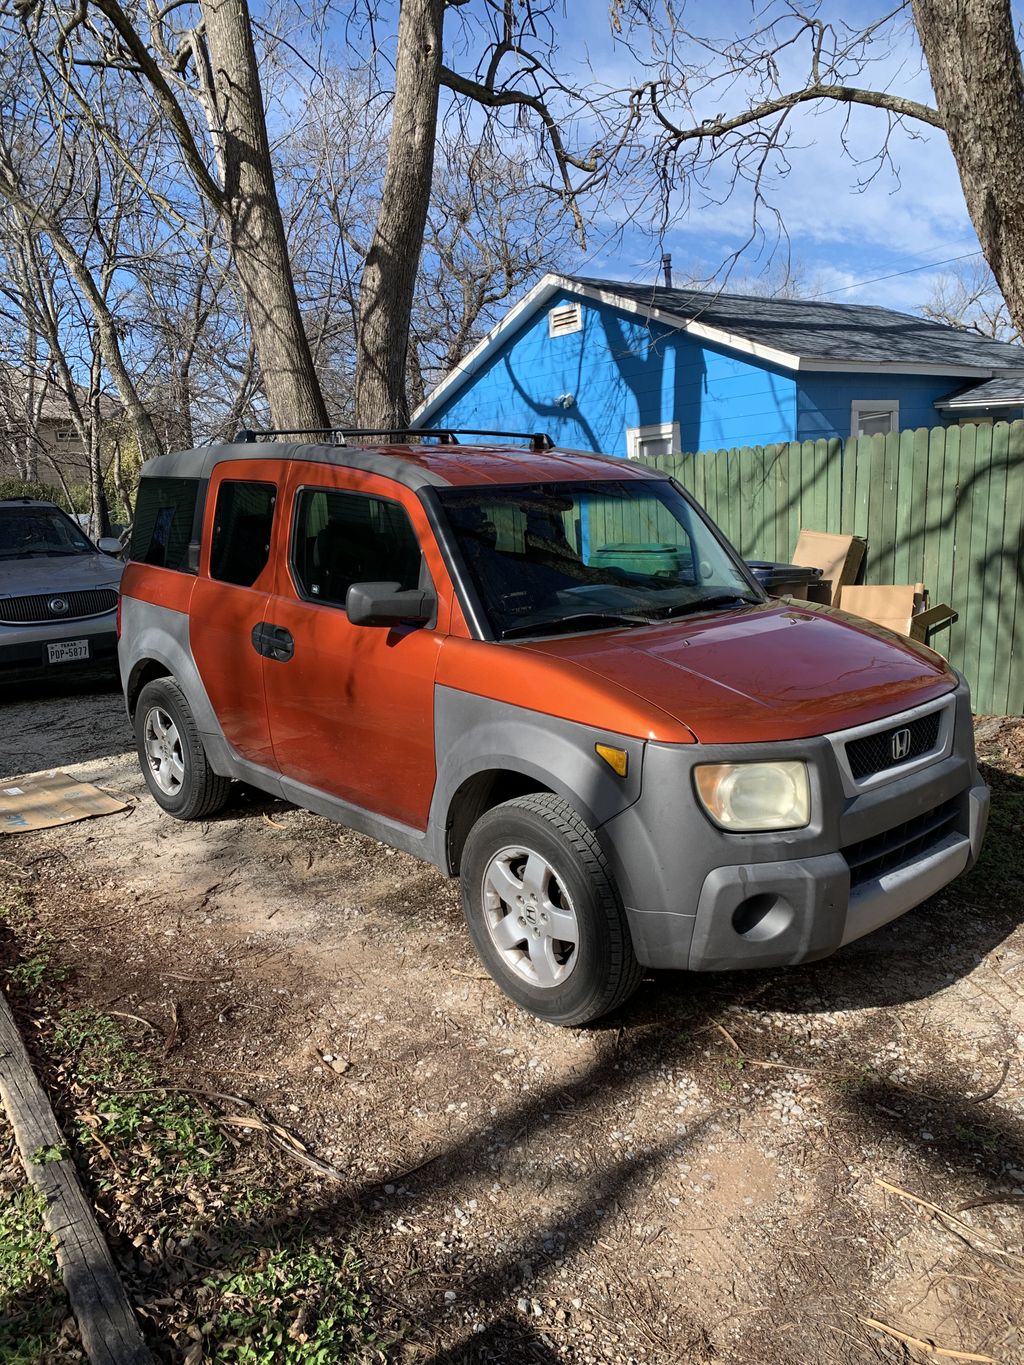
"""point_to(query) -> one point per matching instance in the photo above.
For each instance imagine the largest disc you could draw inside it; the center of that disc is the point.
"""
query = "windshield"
(550, 558)
(28, 531)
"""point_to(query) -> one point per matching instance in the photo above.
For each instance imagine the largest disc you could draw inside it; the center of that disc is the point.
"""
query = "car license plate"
(67, 651)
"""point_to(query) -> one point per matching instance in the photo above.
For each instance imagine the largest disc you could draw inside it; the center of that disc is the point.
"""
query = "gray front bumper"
(701, 899)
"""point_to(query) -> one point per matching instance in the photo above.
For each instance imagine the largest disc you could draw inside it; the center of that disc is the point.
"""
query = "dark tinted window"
(240, 546)
(346, 538)
(164, 518)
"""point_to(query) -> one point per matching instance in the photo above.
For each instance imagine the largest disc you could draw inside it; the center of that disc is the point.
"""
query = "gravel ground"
(748, 1166)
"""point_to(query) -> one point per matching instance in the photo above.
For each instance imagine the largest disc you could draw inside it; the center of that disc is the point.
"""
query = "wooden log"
(106, 1320)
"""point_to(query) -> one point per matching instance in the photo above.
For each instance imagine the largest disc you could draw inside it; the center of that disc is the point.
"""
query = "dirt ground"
(736, 1168)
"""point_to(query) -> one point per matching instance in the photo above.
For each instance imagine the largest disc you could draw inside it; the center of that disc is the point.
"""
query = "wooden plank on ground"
(107, 1323)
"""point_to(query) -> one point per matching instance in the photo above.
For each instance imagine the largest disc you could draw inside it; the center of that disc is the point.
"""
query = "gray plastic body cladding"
(681, 877)
(475, 734)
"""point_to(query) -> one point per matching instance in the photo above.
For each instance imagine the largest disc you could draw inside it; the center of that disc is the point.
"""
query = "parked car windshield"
(29, 531)
(552, 558)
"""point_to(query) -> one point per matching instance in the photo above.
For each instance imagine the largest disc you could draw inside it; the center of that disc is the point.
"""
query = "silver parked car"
(58, 594)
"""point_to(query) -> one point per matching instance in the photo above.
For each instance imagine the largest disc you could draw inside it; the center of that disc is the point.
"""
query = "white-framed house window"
(661, 438)
(65, 436)
(566, 318)
(874, 417)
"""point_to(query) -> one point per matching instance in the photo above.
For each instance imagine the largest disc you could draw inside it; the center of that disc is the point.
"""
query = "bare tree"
(574, 138)
(725, 110)
(193, 60)
(967, 296)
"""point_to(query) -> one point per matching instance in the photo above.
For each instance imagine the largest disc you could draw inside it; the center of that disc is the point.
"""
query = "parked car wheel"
(172, 756)
(544, 913)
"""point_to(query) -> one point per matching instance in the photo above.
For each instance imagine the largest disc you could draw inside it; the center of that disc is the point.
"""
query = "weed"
(292, 1307)
(56, 1151)
(32, 1303)
(162, 1135)
(36, 971)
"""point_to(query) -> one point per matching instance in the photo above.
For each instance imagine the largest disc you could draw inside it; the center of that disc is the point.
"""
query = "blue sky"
(839, 233)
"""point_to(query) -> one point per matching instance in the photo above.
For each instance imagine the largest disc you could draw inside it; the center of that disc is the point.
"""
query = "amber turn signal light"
(617, 759)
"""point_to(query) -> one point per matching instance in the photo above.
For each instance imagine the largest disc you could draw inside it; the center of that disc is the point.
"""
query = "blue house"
(636, 370)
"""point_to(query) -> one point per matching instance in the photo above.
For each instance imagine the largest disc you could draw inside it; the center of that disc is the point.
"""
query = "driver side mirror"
(109, 545)
(388, 604)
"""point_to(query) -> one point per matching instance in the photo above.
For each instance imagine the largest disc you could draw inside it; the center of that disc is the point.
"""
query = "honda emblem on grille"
(900, 744)
(58, 605)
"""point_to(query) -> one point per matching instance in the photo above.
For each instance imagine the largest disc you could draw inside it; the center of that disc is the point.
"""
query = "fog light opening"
(763, 916)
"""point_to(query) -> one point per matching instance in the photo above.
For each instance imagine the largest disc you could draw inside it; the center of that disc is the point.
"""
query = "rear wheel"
(544, 913)
(172, 756)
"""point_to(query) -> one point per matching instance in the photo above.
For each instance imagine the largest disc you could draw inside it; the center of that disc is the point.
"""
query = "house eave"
(978, 404)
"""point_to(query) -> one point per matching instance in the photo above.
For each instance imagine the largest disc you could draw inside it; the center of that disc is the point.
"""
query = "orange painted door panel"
(230, 598)
(352, 710)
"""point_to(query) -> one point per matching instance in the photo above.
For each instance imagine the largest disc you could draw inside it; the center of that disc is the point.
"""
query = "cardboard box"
(838, 557)
(899, 607)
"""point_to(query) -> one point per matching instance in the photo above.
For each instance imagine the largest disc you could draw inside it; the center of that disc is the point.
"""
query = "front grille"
(23, 611)
(870, 858)
(874, 753)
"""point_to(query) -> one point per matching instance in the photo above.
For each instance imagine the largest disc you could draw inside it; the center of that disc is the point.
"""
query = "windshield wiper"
(596, 618)
(722, 599)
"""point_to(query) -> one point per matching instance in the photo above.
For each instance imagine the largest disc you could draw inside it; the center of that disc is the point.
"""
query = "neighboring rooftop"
(816, 329)
(1005, 391)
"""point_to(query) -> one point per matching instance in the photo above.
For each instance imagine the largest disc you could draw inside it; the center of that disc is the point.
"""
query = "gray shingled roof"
(820, 330)
(1003, 391)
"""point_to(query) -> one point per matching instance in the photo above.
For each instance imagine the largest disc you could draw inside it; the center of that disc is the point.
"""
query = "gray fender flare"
(475, 735)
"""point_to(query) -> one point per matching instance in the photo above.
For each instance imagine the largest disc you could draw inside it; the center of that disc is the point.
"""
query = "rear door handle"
(273, 642)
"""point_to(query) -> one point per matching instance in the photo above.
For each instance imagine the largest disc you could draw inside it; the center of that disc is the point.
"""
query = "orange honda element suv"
(548, 674)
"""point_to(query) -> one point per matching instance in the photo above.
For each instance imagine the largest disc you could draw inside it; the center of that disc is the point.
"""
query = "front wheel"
(544, 913)
(172, 756)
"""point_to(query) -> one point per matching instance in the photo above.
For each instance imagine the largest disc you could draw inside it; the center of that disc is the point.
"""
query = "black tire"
(202, 792)
(605, 972)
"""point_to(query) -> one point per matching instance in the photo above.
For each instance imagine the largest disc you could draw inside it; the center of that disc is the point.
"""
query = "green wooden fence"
(944, 506)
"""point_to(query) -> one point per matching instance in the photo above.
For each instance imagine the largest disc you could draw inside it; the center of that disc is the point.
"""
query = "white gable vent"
(566, 318)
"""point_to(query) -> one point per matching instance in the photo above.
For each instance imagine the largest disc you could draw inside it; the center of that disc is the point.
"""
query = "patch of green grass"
(39, 970)
(32, 1302)
(292, 1307)
(152, 1132)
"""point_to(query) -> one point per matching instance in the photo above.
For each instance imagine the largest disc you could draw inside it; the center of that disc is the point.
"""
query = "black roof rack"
(539, 440)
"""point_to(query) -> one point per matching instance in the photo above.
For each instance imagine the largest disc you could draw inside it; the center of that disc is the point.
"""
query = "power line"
(932, 265)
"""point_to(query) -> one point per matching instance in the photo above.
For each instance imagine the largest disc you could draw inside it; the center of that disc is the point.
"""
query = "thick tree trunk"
(389, 274)
(976, 73)
(252, 219)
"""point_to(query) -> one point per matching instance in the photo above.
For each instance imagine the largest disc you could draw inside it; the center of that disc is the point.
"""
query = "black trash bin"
(784, 580)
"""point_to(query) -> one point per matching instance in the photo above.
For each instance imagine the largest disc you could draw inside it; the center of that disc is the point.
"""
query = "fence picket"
(944, 506)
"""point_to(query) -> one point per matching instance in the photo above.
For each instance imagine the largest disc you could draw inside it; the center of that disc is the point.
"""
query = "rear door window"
(164, 524)
(242, 522)
(344, 538)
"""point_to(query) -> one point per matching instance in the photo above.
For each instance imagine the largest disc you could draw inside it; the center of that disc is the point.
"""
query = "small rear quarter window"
(165, 512)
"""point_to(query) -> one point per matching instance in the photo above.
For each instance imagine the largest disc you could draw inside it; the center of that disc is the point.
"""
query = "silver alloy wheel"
(163, 749)
(530, 917)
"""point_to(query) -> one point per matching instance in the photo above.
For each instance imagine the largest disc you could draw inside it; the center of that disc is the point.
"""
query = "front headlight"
(755, 796)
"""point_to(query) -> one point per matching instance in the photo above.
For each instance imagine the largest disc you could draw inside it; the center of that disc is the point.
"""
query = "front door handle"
(273, 642)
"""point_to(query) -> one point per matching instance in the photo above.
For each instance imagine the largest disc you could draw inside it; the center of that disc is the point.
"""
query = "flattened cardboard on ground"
(838, 557)
(49, 799)
(900, 607)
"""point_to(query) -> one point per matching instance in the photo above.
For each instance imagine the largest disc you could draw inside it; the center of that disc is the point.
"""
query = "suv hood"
(58, 573)
(771, 672)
